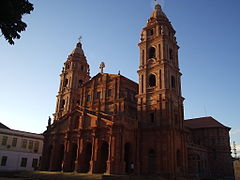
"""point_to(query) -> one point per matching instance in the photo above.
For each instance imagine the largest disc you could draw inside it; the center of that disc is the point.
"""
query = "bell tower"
(159, 75)
(160, 103)
(74, 73)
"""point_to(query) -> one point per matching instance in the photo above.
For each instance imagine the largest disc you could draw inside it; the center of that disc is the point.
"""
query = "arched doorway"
(73, 156)
(48, 159)
(60, 157)
(127, 157)
(151, 161)
(103, 157)
(87, 157)
(199, 165)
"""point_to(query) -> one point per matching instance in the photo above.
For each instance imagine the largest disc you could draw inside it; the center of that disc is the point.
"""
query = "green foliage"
(11, 12)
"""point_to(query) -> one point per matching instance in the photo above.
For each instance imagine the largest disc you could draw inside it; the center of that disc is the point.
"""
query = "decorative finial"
(158, 3)
(119, 72)
(79, 39)
(102, 66)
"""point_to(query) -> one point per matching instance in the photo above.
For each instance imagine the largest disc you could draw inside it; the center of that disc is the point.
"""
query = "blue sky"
(207, 33)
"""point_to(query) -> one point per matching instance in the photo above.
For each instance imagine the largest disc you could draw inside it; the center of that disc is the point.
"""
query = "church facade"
(110, 124)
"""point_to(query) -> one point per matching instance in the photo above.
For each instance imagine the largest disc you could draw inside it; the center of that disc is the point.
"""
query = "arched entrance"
(48, 159)
(73, 156)
(151, 161)
(87, 157)
(127, 156)
(103, 157)
(60, 157)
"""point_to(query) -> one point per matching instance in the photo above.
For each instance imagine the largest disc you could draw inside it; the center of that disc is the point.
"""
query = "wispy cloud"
(237, 131)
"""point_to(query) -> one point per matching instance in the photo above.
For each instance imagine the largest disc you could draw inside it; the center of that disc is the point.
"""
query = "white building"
(19, 150)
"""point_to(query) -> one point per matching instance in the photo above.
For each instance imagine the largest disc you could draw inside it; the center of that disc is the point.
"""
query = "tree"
(11, 12)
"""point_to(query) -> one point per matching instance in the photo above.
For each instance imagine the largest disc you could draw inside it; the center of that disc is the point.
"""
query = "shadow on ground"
(46, 175)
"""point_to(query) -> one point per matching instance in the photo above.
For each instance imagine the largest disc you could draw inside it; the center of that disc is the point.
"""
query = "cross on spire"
(102, 66)
(79, 39)
(157, 2)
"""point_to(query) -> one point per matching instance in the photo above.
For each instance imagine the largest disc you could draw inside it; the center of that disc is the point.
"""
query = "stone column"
(137, 150)
(77, 161)
(109, 161)
(67, 157)
(80, 155)
(93, 162)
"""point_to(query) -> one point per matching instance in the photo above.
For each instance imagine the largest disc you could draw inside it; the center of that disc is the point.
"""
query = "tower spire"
(74, 73)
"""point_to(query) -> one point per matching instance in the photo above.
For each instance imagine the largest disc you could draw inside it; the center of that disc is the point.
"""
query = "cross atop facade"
(79, 39)
(102, 66)
(157, 2)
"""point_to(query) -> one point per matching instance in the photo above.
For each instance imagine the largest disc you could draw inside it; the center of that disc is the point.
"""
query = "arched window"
(80, 83)
(62, 104)
(82, 68)
(67, 66)
(152, 52)
(150, 32)
(143, 57)
(170, 54)
(173, 82)
(65, 82)
(152, 80)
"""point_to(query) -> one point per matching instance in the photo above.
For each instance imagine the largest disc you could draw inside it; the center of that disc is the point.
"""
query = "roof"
(158, 13)
(203, 122)
(112, 75)
(6, 130)
(3, 126)
(13, 132)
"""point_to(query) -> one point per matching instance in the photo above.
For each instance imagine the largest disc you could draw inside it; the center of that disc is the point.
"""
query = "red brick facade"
(110, 124)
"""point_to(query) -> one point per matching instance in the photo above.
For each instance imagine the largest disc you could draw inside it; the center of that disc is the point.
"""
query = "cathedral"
(111, 124)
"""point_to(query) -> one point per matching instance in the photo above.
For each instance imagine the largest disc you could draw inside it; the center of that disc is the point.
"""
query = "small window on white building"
(4, 140)
(36, 146)
(23, 162)
(24, 143)
(4, 161)
(35, 163)
(14, 142)
(30, 144)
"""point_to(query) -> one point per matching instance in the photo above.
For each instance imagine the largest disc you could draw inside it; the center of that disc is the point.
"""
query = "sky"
(207, 32)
